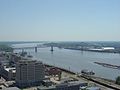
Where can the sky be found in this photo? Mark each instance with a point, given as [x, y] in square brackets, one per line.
[59, 20]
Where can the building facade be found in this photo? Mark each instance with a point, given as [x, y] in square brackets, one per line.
[29, 73]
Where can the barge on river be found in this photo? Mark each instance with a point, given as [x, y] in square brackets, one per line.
[108, 65]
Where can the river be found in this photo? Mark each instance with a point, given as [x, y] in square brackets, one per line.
[76, 60]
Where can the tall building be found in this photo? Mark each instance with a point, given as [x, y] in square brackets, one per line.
[29, 72]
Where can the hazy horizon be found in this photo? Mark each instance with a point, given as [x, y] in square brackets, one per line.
[59, 20]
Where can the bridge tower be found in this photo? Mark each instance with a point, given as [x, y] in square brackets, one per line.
[22, 50]
[52, 49]
[36, 49]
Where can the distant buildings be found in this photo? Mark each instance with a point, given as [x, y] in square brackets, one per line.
[29, 72]
[102, 49]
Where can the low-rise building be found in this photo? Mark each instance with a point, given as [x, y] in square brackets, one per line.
[64, 86]
[93, 88]
[12, 88]
[8, 73]
[61, 87]
[47, 83]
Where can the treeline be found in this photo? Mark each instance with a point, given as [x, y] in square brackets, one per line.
[6, 48]
[86, 44]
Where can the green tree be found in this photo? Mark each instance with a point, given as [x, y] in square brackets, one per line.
[118, 80]
[6, 48]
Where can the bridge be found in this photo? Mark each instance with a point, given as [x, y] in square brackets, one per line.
[32, 47]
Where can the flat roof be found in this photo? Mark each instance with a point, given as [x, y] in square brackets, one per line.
[93, 88]
[12, 88]
[57, 86]
[46, 88]
[11, 68]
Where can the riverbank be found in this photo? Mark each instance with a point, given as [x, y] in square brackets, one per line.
[105, 47]
[101, 51]
[101, 81]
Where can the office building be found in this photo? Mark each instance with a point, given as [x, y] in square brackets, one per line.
[29, 73]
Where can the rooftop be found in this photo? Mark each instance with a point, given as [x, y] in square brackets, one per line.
[12, 88]
[11, 68]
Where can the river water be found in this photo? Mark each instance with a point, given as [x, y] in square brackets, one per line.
[76, 60]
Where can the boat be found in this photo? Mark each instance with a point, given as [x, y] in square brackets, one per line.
[29, 56]
[108, 65]
[87, 72]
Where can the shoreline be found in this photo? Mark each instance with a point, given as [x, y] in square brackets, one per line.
[98, 80]
[92, 50]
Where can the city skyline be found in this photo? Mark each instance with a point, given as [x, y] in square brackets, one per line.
[59, 20]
